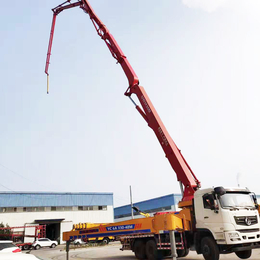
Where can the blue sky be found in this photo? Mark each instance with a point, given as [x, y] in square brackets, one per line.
[199, 62]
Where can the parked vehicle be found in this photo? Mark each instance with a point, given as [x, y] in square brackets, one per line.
[7, 246]
[79, 242]
[104, 240]
[24, 236]
[44, 242]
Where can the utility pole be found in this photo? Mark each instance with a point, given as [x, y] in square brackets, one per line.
[132, 211]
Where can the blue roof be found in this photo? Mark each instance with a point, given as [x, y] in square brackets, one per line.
[151, 204]
[49, 199]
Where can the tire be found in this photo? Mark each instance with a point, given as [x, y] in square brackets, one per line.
[244, 254]
[105, 241]
[26, 247]
[37, 247]
[183, 252]
[151, 250]
[209, 249]
[53, 245]
[139, 249]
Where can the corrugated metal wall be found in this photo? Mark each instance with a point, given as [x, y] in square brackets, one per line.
[35, 199]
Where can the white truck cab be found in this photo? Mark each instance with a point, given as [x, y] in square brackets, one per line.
[226, 221]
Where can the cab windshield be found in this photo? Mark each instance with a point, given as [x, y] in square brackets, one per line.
[236, 200]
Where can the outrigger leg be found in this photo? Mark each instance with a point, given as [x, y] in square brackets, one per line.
[173, 245]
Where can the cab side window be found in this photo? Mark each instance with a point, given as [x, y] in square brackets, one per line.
[208, 201]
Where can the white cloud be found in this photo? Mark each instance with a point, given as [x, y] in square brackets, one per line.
[242, 6]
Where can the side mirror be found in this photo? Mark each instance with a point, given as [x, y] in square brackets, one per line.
[219, 191]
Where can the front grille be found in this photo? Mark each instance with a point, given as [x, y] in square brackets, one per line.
[246, 221]
[248, 230]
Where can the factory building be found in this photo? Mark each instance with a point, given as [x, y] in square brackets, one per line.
[58, 211]
[160, 204]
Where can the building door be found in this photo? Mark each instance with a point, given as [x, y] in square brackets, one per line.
[53, 231]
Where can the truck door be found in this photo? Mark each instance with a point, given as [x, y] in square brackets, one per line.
[211, 215]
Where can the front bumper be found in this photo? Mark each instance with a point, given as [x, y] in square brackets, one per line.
[225, 249]
[237, 237]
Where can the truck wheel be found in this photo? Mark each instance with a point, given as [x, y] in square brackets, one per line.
[151, 250]
[183, 252]
[26, 247]
[139, 249]
[244, 254]
[209, 249]
[105, 241]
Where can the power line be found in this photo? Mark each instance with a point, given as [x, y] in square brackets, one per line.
[18, 174]
[15, 172]
[6, 187]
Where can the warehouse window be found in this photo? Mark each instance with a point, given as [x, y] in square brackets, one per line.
[102, 207]
[80, 207]
[53, 208]
[31, 209]
[3, 210]
[9, 209]
[64, 208]
[40, 209]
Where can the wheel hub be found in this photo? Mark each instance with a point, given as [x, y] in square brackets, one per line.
[206, 250]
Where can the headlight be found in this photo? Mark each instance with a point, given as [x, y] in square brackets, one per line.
[233, 235]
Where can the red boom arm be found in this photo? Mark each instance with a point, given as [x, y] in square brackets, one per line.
[177, 161]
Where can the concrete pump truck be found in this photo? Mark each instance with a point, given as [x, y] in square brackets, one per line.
[212, 221]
